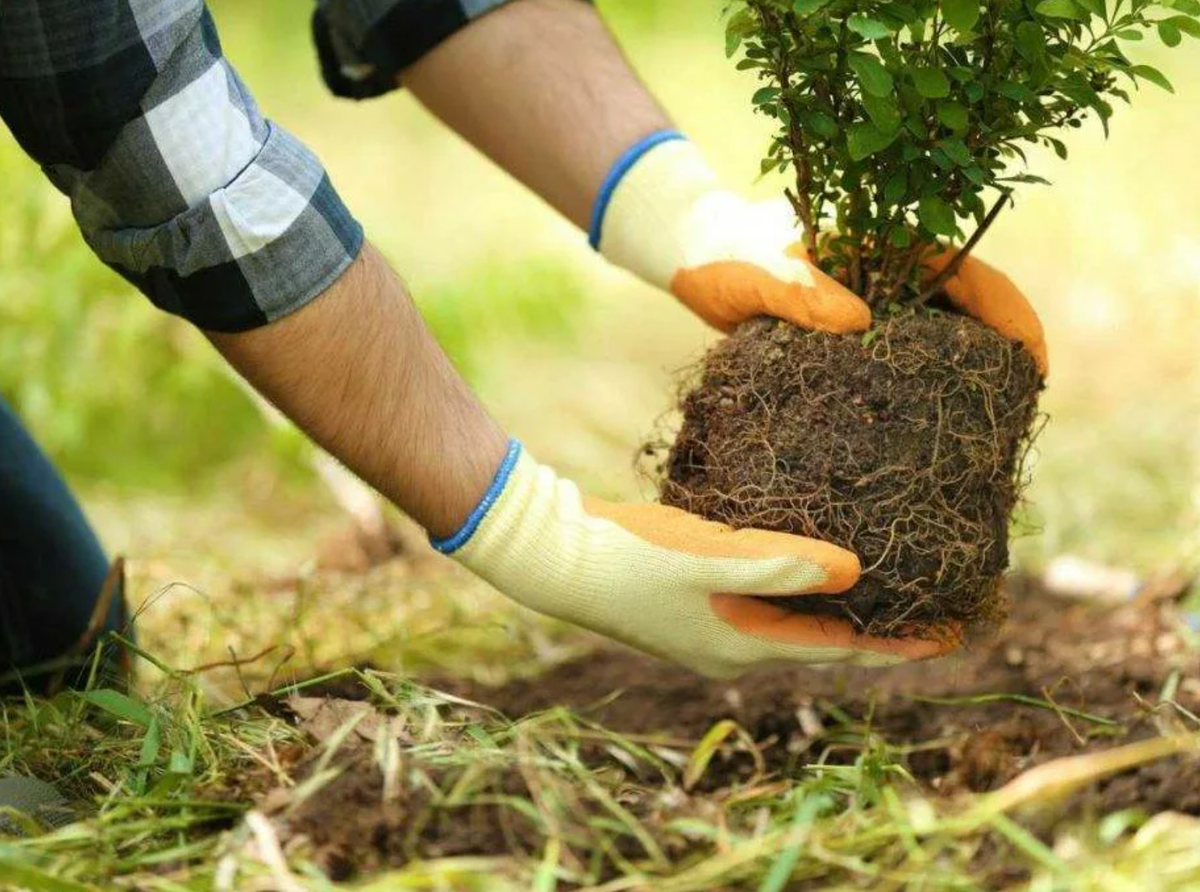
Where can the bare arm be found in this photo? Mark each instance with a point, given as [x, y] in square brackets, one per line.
[542, 89]
[359, 372]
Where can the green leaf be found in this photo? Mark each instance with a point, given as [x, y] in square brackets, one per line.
[956, 150]
[732, 42]
[954, 115]
[865, 139]
[937, 216]
[1014, 91]
[901, 237]
[931, 83]
[871, 29]
[150, 745]
[738, 28]
[941, 159]
[874, 78]
[1029, 178]
[117, 704]
[895, 187]
[819, 123]
[1095, 7]
[883, 112]
[1060, 9]
[1170, 35]
[1188, 26]
[1031, 41]
[961, 14]
[808, 7]
[764, 95]
[1152, 74]
[1187, 7]
[1131, 34]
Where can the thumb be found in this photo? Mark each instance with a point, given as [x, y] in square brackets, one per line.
[814, 300]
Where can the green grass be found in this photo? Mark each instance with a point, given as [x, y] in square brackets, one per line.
[169, 783]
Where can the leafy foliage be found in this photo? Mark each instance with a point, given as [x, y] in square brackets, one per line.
[901, 120]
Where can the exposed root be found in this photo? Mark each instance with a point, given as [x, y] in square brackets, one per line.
[905, 446]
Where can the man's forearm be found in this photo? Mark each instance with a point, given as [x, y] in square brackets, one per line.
[542, 89]
[358, 371]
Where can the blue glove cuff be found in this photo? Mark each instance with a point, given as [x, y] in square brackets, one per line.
[453, 543]
[631, 157]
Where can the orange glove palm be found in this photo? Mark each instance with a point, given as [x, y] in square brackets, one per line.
[662, 580]
[986, 294]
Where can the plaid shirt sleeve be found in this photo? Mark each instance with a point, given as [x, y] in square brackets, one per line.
[363, 45]
[175, 178]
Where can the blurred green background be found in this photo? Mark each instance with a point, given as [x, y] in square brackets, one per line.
[575, 358]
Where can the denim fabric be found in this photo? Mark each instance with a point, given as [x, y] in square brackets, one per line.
[52, 566]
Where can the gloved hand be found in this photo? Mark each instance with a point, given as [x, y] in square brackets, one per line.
[663, 215]
[661, 580]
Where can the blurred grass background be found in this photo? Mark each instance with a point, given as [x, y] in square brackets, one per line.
[179, 469]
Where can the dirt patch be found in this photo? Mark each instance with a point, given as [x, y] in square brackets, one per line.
[1064, 678]
[353, 828]
[903, 446]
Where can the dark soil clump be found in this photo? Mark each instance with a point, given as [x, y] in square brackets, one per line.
[904, 446]
[353, 829]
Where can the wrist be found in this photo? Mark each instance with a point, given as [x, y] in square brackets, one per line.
[455, 542]
[660, 208]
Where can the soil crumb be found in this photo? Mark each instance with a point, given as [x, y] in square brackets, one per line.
[903, 445]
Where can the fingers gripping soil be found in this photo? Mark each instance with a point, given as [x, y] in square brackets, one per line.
[792, 565]
[906, 449]
[728, 292]
[774, 623]
[990, 296]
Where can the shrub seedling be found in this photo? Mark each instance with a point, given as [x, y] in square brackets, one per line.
[901, 121]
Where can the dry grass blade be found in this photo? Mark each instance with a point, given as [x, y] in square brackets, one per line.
[1061, 776]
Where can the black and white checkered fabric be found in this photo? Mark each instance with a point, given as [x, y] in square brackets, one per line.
[365, 44]
[175, 178]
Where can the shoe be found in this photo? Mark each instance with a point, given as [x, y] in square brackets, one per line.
[39, 800]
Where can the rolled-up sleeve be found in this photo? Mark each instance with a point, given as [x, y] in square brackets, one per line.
[363, 45]
[175, 178]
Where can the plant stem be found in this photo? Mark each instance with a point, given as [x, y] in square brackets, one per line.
[952, 268]
[801, 202]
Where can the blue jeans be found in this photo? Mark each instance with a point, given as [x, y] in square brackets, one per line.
[52, 567]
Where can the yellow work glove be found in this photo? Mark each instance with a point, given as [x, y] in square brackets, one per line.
[663, 215]
[662, 580]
